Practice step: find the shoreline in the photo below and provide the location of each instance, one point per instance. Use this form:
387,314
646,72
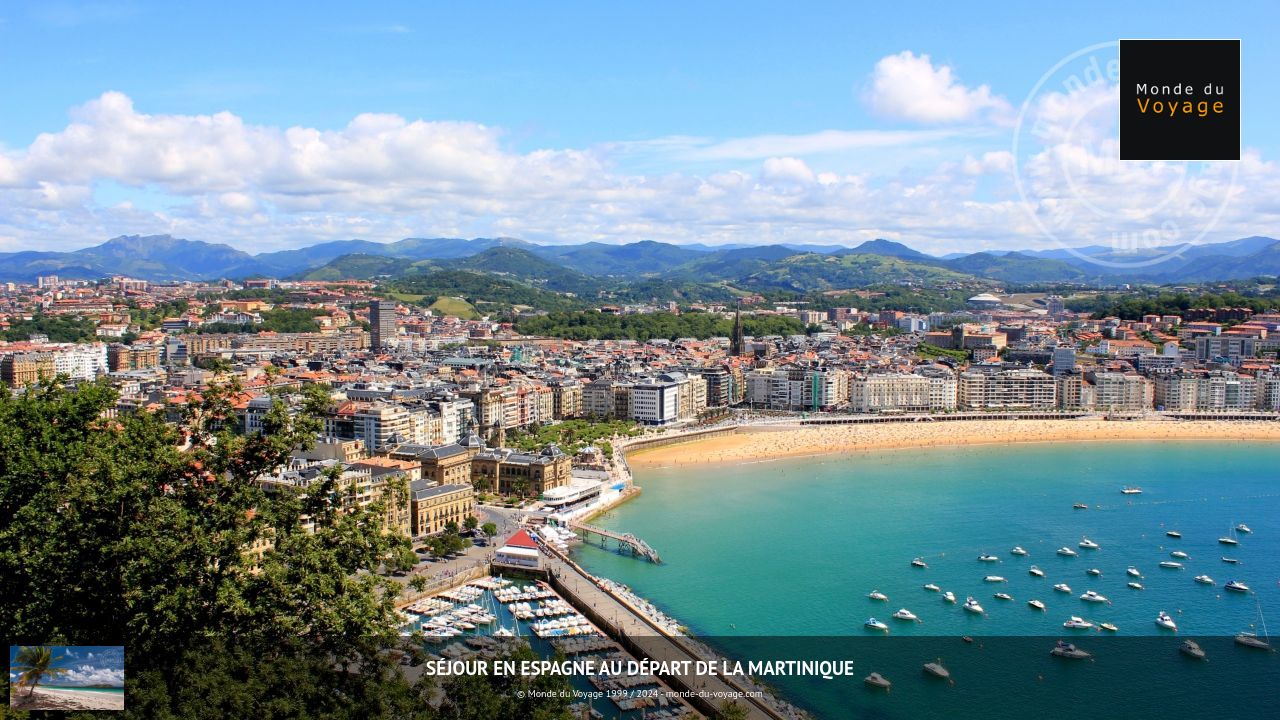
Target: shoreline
65,699
755,444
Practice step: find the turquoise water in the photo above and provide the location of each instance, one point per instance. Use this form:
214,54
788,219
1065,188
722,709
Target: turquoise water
109,691
791,548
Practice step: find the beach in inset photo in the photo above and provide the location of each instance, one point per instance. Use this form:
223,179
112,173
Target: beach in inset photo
66,677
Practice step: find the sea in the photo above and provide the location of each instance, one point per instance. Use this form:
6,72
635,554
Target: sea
775,559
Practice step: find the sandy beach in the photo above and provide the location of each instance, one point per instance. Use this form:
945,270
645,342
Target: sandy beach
757,443
61,699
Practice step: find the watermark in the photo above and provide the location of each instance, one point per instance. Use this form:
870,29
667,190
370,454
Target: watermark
1123,215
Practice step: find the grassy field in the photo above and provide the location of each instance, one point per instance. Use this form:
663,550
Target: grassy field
455,307
405,297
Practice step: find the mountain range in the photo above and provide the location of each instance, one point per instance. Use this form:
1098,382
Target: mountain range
597,266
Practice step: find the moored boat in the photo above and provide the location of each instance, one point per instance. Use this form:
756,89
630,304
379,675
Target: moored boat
1036,571
1077,623
1192,649
1062,588
1003,596
971,605
1095,572
1204,579
1067,650
1109,627
875,624
1088,544
931,587
1171,565
1018,550
1133,572
1179,554
1166,622
937,670
877,680
919,562
1230,561
1067,552
905,614
1135,586
988,558
994,579
949,596
1173,534
1091,596
1036,604
1130,490
878,596
1236,586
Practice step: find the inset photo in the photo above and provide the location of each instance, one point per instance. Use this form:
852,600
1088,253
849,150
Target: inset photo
66,677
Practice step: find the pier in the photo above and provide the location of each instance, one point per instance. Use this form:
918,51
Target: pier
638,547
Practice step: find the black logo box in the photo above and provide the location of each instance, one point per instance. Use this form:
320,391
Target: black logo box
1157,80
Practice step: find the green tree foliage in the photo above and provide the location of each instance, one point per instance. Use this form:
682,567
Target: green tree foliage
151,318
281,319
648,326
571,435
59,328
1133,307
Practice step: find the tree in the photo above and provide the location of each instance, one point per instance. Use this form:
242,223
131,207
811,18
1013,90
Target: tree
470,523
489,529
732,710
451,527
418,583
404,560
33,663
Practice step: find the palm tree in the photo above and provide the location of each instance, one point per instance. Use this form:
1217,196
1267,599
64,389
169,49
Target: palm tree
32,663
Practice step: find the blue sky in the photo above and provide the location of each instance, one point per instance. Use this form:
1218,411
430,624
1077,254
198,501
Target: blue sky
623,111
85,665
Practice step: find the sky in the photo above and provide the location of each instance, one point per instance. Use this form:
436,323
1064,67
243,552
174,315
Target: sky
85,665
274,125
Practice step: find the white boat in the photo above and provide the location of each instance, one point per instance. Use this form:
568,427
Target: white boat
1109,627
1091,596
1036,604
1173,534
931,587
1250,639
1236,586
1065,649
919,562
935,669
1166,622
1062,588
877,595
972,606
1230,561
994,579
905,614
1192,649
1228,541
877,680
1067,552
875,624
1003,596
1135,586
1243,528
949,596
988,558
1018,550
1171,565
1088,544
1179,554
1077,623
1095,572
1133,572
1204,579
1127,490
1036,571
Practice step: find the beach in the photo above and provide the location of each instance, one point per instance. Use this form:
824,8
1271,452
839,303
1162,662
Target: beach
65,699
766,442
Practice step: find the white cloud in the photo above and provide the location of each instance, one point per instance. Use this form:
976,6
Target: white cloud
90,675
907,86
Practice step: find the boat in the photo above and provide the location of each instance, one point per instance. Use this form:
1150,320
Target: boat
1250,639
971,605
875,624
905,614
1236,586
1243,528
1065,649
1173,534
1109,627
988,558
877,595
1204,579
1091,596
1018,550
1077,623
1036,604
1003,596
1094,572
994,579
1127,490
919,562
931,587
1179,554
1230,561
1088,544
1166,622
1228,540
1191,649
1036,571
937,670
1062,588
949,596
1135,586
877,680
1133,572
1066,552
1171,565
1080,506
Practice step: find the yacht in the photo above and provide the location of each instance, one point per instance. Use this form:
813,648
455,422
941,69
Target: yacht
919,562
877,595
935,669
1036,571
905,614
988,558
1230,561
949,596
1179,554
1251,640
1191,649
1204,579
1236,586
877,680
1065,649
1076,623
1133,572
1062,588
1173,534
1095,572
1066,552
1091,596
1135,586
1080,506
1228,540
1109,627
1088,544
1171,565
875,624
1018,550
972,605
1243,528
1036,604
932,588
1003,596
994,578
1127,490
1166,622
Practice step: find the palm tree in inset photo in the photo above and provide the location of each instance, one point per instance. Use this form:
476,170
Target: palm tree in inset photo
34,662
